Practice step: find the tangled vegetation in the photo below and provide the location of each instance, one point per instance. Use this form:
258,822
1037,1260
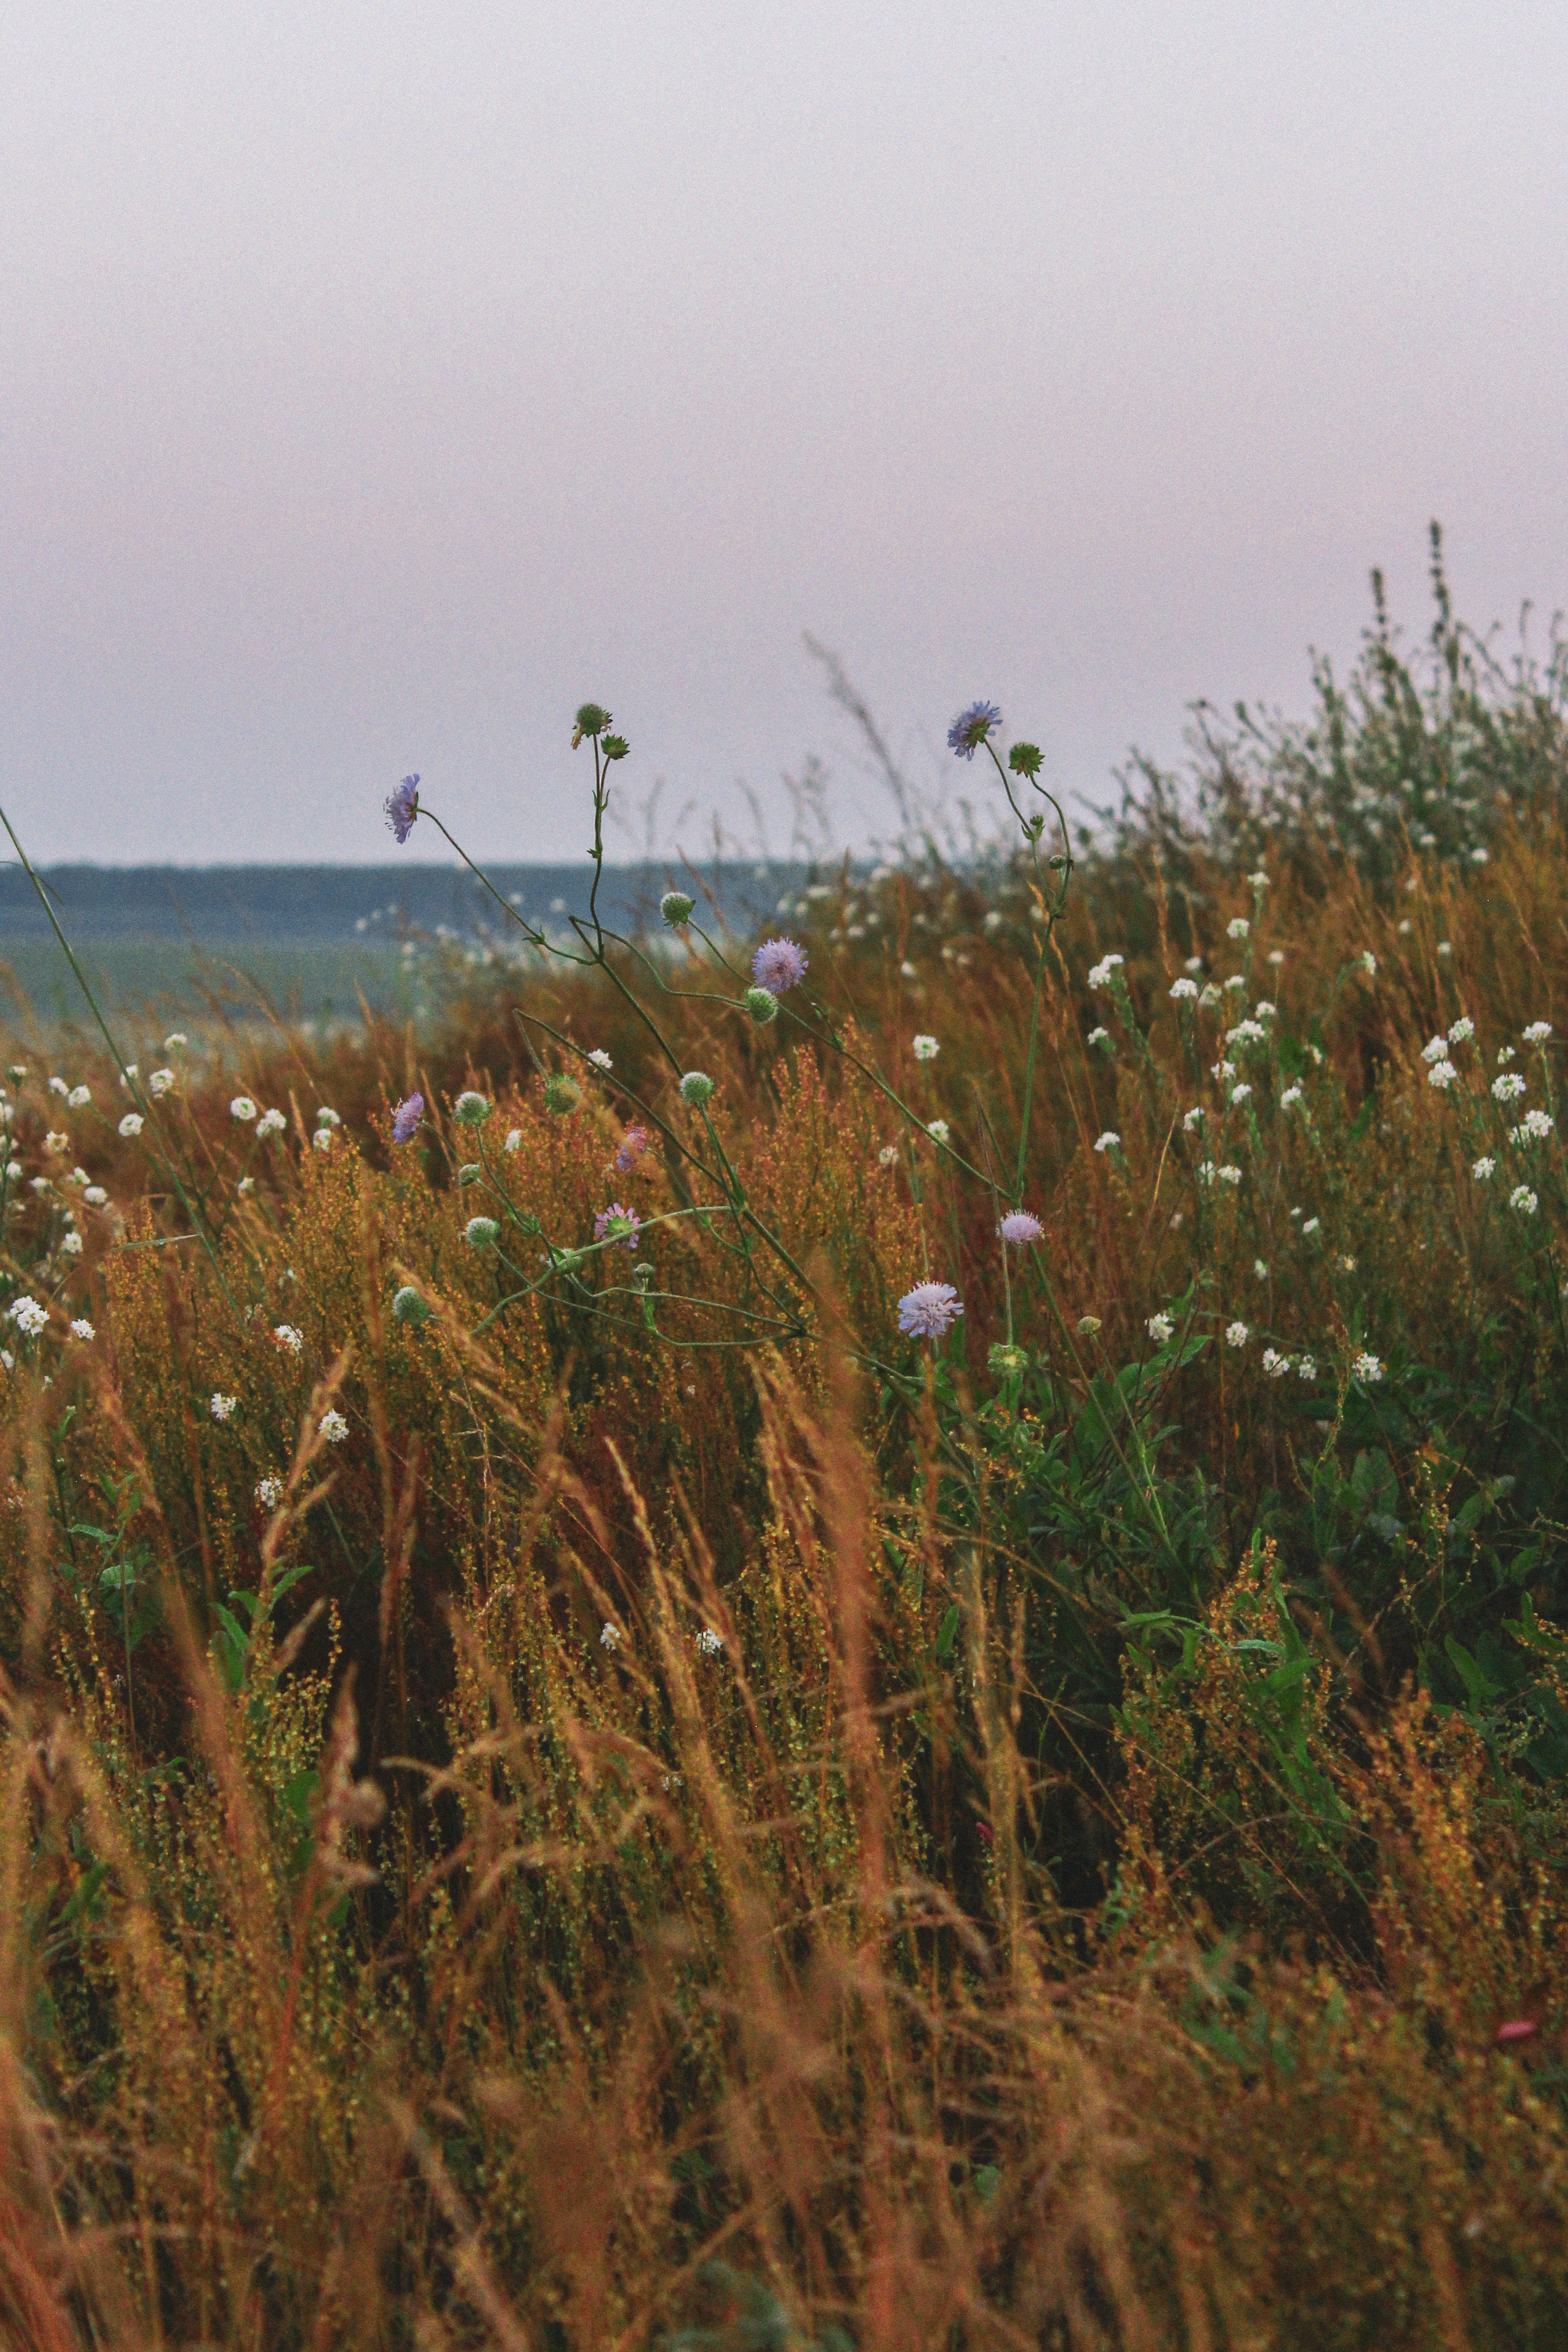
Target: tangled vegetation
581,1772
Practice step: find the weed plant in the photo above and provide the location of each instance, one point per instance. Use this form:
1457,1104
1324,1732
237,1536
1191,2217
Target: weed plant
851,1640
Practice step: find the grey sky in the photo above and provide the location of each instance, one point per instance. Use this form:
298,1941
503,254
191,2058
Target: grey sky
377,381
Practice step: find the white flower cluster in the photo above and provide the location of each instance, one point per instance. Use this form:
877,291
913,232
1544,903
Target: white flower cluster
1100,973
1161,1329
924,1048
1509,1086
287,1337
709,1642
271,1122
1184,989
1538,1032
222,1406
29,1315
1103,1143
333,1427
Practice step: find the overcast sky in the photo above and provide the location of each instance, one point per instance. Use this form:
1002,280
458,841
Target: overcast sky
379,382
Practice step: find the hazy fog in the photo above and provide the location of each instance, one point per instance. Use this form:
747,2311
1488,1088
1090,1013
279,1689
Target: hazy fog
379,382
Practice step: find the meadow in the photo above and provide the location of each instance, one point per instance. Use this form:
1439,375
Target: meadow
854,1636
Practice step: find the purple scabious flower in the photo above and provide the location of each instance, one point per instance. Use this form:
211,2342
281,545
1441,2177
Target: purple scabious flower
402,807
778,964
926,1311
971,727
406,1118
618,1225
1018,1227
634,1143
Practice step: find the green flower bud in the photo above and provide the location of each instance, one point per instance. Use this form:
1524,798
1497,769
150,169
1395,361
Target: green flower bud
480,1233
1088,1323
676,907
408,1307
1007,1362
615,747
559,1095
696,1089
763,1005
1024,759
471,1108
591,720
471,1173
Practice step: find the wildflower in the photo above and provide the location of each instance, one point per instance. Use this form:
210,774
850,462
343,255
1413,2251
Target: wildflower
925,1049
53,1142
634,1143
271,1122
1206,1171
559,1095
1464,1027
1260,1269
609,1636
1184,989
1307,1368
1369,964
618,1225
287,1337
1347,1265
1538,1032
1539,1124
1484,1166
1313,1226
78,1097
1103,1143
70,1245
1442,1074
1100,973
245,1184
1237,928
402,807
12,1170
175,1038
1230,1176
1259,880
1246,1032
160,1081
1506,1054
470,1108
1516,1135
59,1087
778,965
1479,857
242,1109
479,1232
39,1184
29,1316
1275,1364
1088,1325
908,971
1275,955
514,1138
970,728
1509,1087
1241,1094
889,1155
323,1138
1235,1335
1237,980
1264,1010
269,1492
1444,948
1222,1069
405,1118
1097,1037
710,1643
408,1307
1367,1368
1290,1097
926,1311
1161,1329
332,1427
221,1406
1435,1049
95,1196
675,908
1522,1199
1018,1226
1193,1118
937,1128
132,1070
325,1118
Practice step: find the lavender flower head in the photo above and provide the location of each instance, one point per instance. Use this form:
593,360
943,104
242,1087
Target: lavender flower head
405,1118
403,806
778,964
927,1311
618,1225
972,727
1018,1227
634,1143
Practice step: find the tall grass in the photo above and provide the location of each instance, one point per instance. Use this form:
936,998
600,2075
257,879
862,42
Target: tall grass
568,1796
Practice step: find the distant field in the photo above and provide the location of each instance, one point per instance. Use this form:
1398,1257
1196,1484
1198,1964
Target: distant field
236,943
